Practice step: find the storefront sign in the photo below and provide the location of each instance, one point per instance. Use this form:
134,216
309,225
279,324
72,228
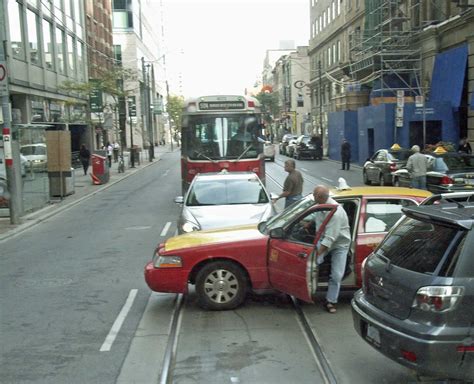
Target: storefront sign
95,98
3,79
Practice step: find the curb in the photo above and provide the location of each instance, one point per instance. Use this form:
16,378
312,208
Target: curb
60,207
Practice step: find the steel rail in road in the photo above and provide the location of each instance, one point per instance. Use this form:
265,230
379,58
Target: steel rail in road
170,352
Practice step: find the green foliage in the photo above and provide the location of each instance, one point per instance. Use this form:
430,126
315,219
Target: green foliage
109,82
175,110
269,104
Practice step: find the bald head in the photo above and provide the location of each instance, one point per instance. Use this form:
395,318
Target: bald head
321,194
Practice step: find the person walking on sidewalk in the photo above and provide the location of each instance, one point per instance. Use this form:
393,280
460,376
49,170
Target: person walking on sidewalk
109,148
417,165
293,185
84,156
345,154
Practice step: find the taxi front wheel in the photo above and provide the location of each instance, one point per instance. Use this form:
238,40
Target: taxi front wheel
221,285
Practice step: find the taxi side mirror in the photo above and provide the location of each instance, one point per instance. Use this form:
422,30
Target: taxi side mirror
277,233
179,200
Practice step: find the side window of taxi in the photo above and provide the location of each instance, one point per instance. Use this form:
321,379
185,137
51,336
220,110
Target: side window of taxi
382,214
381,156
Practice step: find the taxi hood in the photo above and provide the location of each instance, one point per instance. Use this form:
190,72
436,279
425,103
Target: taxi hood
215,236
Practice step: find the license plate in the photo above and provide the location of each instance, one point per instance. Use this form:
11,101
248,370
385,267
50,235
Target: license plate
373,335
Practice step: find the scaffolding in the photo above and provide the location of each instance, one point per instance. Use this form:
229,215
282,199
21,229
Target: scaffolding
385,54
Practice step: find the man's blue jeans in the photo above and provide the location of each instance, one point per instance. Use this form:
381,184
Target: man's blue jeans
291,199
418,182
338,267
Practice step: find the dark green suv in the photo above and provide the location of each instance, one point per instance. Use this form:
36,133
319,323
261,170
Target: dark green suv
416,305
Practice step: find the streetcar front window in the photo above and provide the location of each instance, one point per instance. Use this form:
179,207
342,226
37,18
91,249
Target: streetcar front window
221,137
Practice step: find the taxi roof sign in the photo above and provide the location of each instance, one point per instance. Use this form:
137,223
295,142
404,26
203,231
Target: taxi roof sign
440,150
395,147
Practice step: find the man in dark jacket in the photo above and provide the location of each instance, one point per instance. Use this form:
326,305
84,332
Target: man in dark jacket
345,154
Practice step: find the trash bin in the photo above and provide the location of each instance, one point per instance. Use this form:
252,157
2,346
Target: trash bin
61,183
100,169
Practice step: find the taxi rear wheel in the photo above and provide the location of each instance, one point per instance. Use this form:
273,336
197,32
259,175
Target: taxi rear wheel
221,285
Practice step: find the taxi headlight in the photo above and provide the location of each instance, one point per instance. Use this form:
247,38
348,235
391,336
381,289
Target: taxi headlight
167,261
189,226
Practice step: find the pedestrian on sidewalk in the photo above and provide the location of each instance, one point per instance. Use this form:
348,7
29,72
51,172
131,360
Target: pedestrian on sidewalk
293,185
417,165
110,151
116,149
84,156
345,154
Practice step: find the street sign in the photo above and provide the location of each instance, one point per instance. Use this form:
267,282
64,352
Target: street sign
132,106
95,100
3,79
419,101
400,98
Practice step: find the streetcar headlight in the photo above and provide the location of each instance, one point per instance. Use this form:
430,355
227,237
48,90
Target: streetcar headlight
167,261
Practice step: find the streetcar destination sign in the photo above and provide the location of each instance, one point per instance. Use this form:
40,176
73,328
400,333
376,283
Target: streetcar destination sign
217,105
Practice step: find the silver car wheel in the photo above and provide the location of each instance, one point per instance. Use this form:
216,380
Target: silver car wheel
221,286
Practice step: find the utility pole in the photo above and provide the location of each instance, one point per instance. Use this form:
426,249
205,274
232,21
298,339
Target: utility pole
10,136
132,112
167,110
146,108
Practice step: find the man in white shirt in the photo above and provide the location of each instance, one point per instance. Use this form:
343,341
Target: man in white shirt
335,240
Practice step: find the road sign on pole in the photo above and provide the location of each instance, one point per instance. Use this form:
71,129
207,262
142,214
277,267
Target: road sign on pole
3,79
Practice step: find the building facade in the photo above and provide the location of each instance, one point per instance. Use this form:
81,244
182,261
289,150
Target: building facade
137,35
387,60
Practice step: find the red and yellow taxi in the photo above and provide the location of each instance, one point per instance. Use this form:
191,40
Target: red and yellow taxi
224,264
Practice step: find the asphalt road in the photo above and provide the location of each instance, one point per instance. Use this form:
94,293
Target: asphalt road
75,308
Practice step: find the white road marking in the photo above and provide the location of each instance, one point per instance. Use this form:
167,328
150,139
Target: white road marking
304,169
138,228
331,181
166,173
165,229
109,340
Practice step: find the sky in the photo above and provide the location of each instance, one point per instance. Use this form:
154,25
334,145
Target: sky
218,46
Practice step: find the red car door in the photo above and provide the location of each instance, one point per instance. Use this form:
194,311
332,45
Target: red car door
291,260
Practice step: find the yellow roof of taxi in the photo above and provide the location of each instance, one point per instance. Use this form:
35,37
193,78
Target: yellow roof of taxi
380,191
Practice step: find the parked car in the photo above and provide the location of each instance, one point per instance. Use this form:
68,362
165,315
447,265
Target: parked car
269,151
225,198
290,148
307,147
379,167
447,172
225,264
285,141
416,305
23,165
36,155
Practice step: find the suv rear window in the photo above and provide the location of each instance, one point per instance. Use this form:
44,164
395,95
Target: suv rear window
421,246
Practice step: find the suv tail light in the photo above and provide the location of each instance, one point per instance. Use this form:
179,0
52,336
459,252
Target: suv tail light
392,167
446,180
437,298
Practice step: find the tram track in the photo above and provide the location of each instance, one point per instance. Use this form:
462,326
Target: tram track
169,360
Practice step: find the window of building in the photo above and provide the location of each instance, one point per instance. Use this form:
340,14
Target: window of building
60,50
338,4
334,9
123,14
320,23
15,23
32,24
68,12
324,19
70,54
80,61
329,57
118,54
317,26
46,6
48,44
339,58
329,15
78,19
33,3
334,53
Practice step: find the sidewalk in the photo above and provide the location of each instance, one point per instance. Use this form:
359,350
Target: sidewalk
83,189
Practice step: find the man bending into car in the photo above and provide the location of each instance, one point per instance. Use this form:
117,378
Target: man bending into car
335,240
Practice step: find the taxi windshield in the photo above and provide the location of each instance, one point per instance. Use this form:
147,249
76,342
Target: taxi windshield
287,215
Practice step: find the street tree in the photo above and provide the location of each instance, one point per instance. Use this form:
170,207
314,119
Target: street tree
175,111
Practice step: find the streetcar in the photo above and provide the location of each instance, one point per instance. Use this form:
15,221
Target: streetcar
221,132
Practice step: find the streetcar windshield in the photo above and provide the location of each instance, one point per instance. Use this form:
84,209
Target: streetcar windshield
232,136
